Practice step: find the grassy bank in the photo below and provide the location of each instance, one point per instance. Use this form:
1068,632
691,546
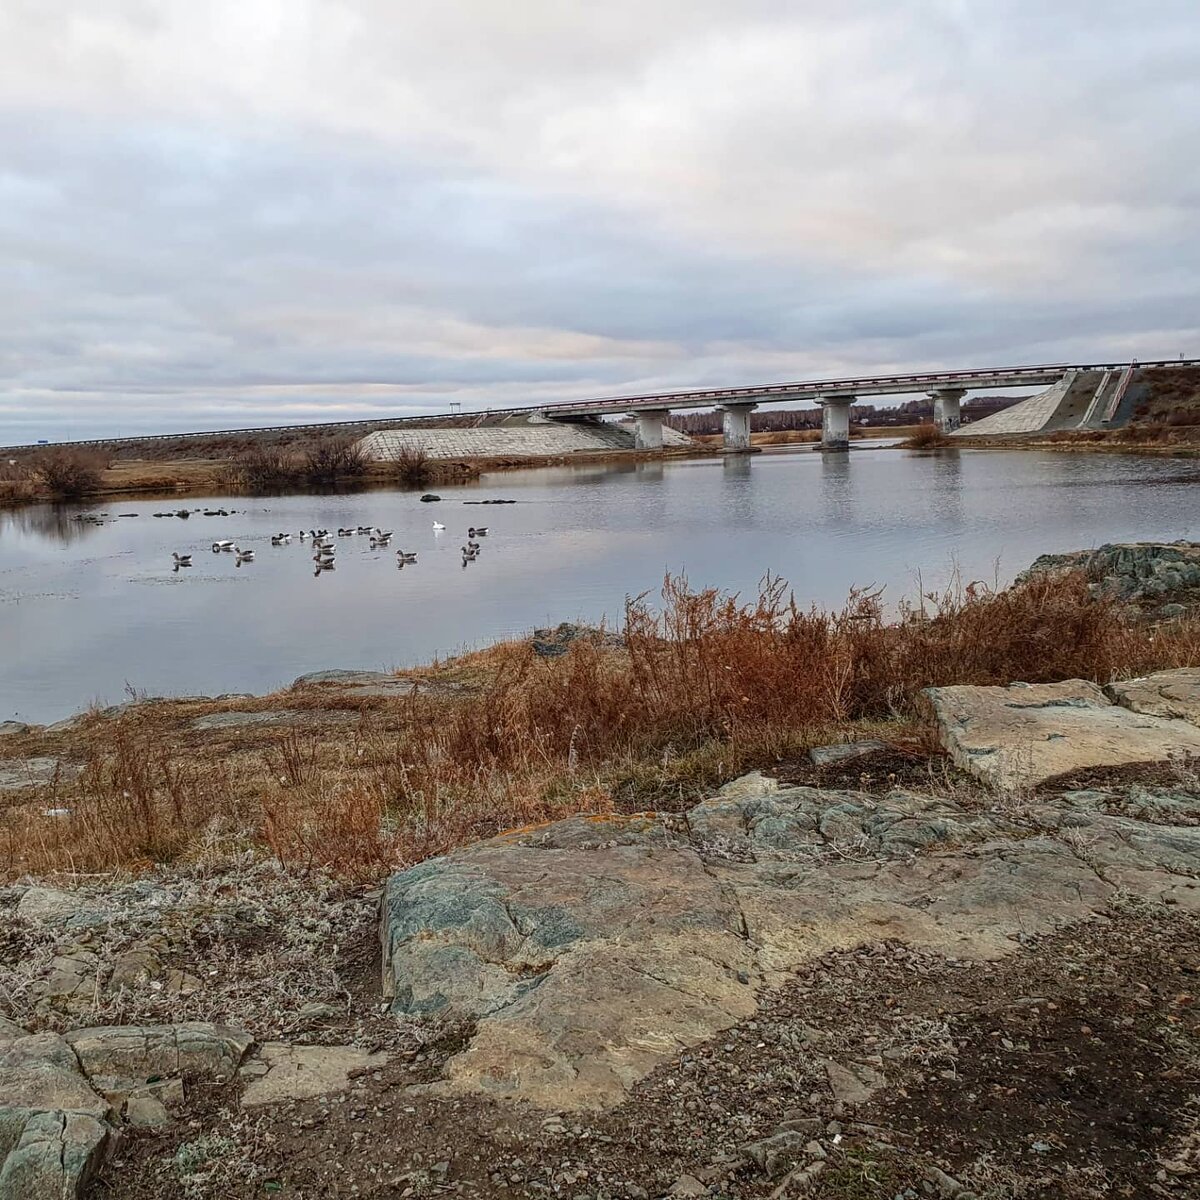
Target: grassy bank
700,687
253,473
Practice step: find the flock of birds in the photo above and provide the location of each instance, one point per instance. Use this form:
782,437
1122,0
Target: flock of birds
322,541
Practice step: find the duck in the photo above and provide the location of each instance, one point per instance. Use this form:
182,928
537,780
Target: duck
243,555
438,525
280,539
182,560
406,556
477,531
324,564
469,555
222,545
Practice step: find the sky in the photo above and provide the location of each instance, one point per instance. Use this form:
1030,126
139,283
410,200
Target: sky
247,212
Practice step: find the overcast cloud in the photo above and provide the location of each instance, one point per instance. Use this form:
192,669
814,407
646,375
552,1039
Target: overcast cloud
247,211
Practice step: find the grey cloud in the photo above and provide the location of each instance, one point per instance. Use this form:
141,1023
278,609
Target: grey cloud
238,213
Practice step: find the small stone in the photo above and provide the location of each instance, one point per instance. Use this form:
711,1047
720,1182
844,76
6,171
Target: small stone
145,1112
824,756
688,1185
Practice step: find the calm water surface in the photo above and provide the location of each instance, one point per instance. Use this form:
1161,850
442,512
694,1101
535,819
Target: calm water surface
88,612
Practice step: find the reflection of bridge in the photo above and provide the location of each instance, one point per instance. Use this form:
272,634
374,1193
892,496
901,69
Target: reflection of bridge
835,396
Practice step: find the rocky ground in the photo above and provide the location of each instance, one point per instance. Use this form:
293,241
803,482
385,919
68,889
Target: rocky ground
869,970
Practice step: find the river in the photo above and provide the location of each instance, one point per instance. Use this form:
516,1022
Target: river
93,612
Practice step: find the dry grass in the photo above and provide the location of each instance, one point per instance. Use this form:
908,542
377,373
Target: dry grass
705,687
926,437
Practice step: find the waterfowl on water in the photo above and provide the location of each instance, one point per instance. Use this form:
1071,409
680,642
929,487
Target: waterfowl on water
182,560
477,531
222,545
243,555
438,525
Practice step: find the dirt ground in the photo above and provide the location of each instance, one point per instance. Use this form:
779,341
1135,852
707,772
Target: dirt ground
1066,1071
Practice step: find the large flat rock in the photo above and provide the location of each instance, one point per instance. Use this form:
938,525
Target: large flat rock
283,1072
590,950
17,773
1164,694
1018,736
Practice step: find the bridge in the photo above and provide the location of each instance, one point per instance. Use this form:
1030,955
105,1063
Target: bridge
834,396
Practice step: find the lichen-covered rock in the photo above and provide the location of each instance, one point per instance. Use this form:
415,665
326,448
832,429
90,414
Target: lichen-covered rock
49,1155
1132,571
118,1058
589,950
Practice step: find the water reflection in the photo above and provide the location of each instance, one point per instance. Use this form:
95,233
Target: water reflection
55,522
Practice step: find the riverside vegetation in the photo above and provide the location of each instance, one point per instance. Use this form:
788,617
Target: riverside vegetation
220,861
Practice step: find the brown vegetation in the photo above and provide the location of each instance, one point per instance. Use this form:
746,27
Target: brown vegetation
64,474
412,466
926,437
703,687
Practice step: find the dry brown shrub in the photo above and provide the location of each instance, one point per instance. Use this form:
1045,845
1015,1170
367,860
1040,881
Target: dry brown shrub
926,437
66,474
333,460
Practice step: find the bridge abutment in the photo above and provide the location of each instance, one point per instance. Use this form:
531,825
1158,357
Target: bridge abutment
649,432
947,408
735,423
835,421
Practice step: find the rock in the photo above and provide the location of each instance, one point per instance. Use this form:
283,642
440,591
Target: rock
314,1010
946,1185
1164,694
51,1088
146,1112
181,983
244,720
853,1082
359,683
688,1185
17,773
71,984
778,1153
9,1031
551,643
1017,736
12,728
119,1058
38,1049
301,1072
51,1155
824,756
588,951
134,966
1131,571
49,906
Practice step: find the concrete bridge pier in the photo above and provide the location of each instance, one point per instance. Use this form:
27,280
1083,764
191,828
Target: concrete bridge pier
649,432
835,421
736,425
947,408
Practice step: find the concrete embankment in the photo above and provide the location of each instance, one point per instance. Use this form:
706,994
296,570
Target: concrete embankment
528,437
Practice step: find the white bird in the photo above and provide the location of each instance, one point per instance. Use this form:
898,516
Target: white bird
223,545
182,560
438,525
